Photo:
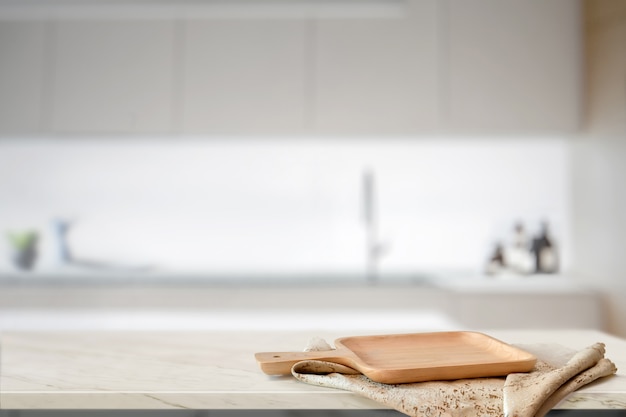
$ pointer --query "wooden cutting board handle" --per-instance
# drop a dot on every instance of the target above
(280, 363)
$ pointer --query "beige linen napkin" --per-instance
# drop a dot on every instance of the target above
(558, 372)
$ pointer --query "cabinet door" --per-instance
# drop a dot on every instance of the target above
(113, 76)
(514, 66)
(21, 76)
(378, 76)
(244, 77)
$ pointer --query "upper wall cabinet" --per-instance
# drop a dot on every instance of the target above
(22, 51)
(244, 77)
(513, 66)
(427, 66)
(377, 76)
(112, 77)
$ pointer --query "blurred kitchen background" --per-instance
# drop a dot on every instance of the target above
(443, 162)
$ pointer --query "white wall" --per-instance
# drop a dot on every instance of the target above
(284, 206)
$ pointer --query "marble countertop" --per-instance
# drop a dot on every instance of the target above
(214, 370)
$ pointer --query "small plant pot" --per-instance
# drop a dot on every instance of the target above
(24, 248)
(25, 258)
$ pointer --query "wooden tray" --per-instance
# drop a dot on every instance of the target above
(415, 357)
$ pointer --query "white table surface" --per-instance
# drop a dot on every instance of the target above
(214, 370)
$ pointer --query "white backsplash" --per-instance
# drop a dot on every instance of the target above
(255, 205)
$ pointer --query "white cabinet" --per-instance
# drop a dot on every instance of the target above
(22, 52)
(513, 66)
(471, 66)
(244, 77)
(113, 77)
(377, 76)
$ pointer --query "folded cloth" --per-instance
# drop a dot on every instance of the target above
(530, 394)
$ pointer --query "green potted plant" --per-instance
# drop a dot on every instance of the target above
(24, 248)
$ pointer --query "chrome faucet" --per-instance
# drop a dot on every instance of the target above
(374, 249)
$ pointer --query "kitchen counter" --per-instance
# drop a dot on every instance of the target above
(214, 370)
(467, 301)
